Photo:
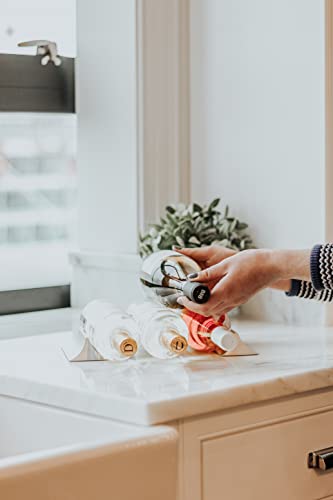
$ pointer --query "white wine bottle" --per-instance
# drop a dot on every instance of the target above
(112, 332)
(162, 332)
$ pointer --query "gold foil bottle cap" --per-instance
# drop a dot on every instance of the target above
(125, 344)
(178, 344)
(175, 342)
(128, 347)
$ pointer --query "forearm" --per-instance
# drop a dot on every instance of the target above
(312, 273)
(283, 285)
(313, 268)
(289, 264)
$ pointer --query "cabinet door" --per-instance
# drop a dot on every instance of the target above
(262, 461)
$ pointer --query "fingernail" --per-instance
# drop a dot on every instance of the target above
(192, 276)
(174, 247)
(180, 300)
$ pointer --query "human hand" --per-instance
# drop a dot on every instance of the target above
(241, 275)
(207, 256)
(210, 255)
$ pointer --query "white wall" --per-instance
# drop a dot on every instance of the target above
(107, 133)
(106, 262)
(132, 135)
(258, 114)
(258, 117)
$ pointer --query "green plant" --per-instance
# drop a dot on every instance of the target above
(195, 226)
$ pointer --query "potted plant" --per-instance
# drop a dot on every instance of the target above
(193, 226)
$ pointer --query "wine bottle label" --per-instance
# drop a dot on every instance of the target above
(167, 265)
(152, 265)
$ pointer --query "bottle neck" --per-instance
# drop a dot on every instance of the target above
(227, 340)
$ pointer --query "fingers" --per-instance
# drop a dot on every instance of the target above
(218, 254)
(207, 256)
(212, 273)
(222, 300)
(202, 309)
(201, 253)
(214, 310)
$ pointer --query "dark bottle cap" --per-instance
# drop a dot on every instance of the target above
(197, 292)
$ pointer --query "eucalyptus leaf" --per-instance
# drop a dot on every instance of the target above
(233, 225)
(213, 204)
(196, 208)
(180, 241)
(194, 240)
(171, 220)
(194, 226)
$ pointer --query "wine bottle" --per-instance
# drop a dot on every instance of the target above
(110, 330)
(162, 331)
(209, 335)
(164, 278)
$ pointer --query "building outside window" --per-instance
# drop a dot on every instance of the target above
(37, 159)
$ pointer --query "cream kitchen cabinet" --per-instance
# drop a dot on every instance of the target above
(259, 452)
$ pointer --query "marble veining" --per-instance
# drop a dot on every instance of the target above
(274, 306)
(292, 359)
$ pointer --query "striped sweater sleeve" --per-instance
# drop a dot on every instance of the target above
(321, 267)
(306, 290)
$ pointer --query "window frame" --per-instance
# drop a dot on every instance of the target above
(28, 86)
(34, 299)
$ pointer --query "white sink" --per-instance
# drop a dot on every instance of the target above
(47, 453)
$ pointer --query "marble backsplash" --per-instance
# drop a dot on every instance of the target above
(276, 307)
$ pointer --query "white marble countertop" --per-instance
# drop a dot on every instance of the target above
(148, 391)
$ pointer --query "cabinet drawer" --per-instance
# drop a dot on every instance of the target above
(268, 461)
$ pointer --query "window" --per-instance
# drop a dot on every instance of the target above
(34, 20)
(37, 156)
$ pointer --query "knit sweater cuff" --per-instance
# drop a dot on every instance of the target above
(294, 288)
(315, 268)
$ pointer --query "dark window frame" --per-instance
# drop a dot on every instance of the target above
(34, 299)
(27, 86)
